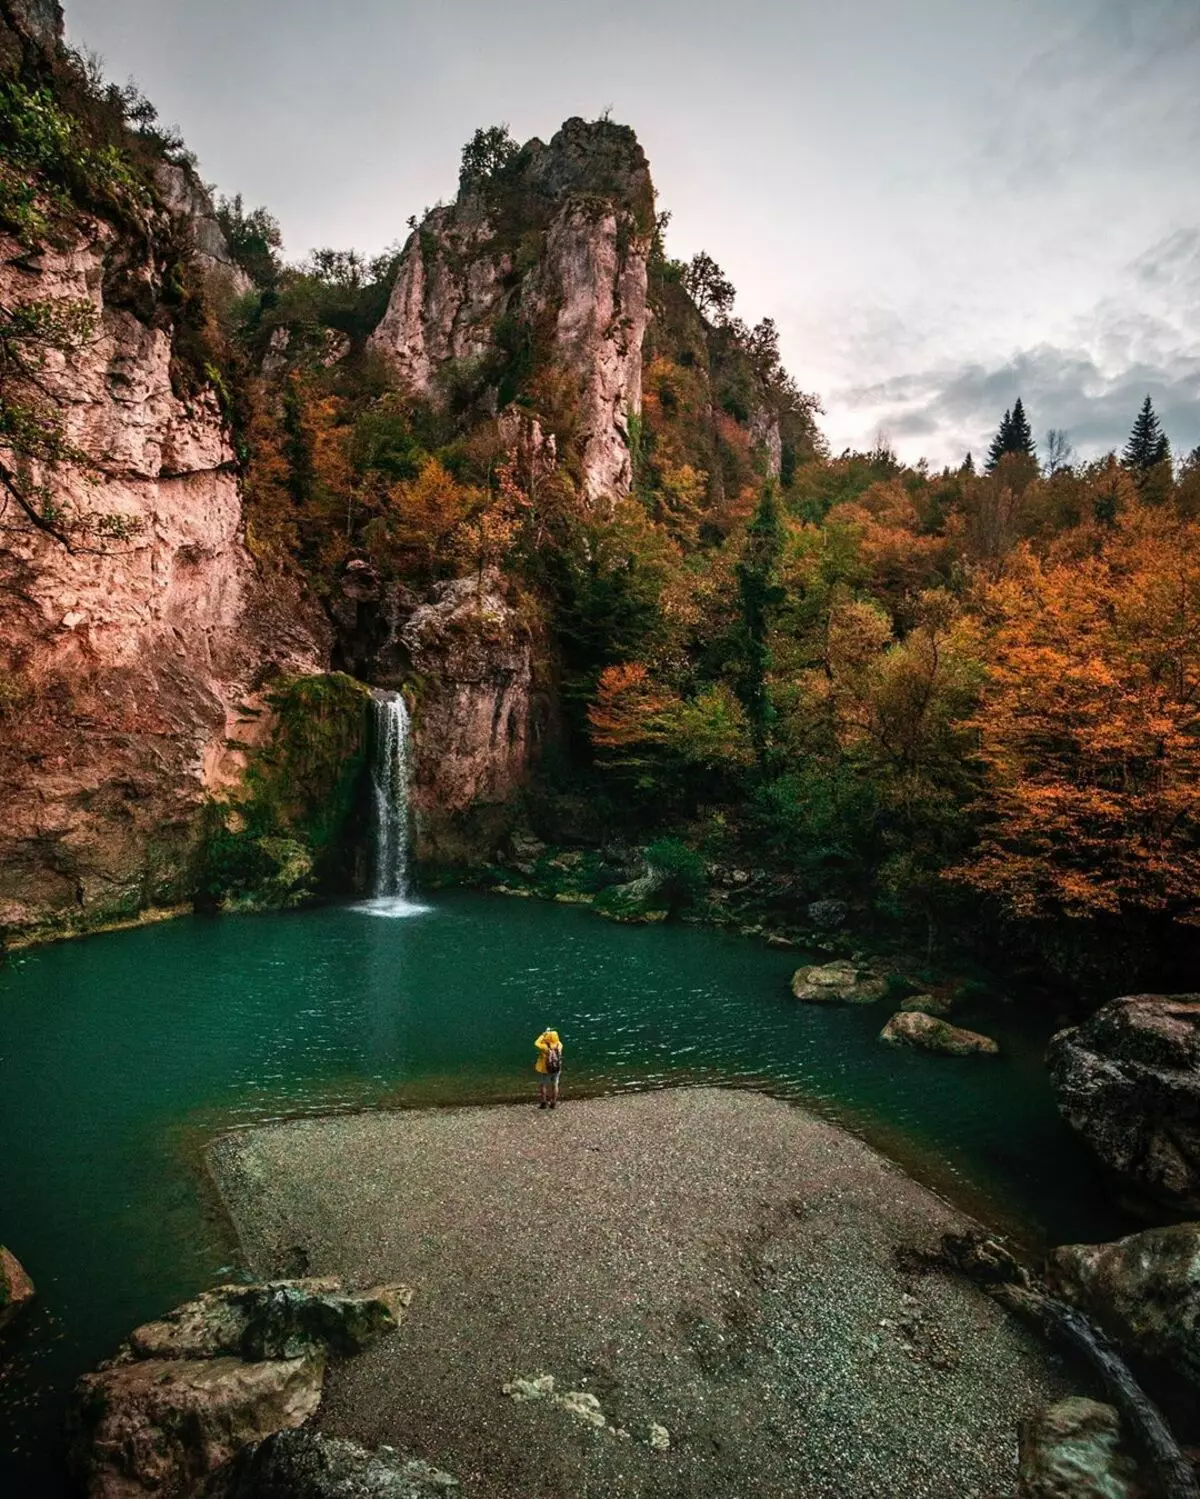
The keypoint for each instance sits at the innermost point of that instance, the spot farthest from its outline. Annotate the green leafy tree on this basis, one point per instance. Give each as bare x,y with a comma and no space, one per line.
253,238
486,155
759,596
708,286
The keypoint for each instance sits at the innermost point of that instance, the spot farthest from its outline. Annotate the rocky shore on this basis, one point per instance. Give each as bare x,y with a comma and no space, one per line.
685,1292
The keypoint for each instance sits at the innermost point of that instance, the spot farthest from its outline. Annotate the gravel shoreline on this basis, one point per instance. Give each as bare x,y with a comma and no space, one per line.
716,1263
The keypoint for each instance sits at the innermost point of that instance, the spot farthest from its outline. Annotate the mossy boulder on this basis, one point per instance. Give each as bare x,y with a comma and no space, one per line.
307,1464
1144,1290
841,982
915,1028
1075,1450
287,832
278,1319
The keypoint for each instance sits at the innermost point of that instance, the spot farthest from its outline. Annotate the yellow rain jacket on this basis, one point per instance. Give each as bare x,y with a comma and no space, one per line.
543,1043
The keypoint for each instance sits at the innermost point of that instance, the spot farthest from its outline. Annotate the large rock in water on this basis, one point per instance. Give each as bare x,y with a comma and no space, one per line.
310,1465
1073,1450
1128,1080
836,983
161,1426
1144,1291
231,1367
916,1028
16,1288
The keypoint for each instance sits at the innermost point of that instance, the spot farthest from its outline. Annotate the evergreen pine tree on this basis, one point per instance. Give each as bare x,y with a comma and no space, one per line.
1147,443
1020,438
1013,436
999,443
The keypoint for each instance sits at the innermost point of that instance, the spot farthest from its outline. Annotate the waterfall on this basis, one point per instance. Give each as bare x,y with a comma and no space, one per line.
391,773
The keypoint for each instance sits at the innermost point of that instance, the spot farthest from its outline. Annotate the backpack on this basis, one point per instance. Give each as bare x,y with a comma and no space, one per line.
553,1059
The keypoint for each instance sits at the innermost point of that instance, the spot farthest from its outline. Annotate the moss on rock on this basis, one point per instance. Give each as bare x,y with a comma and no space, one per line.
286,834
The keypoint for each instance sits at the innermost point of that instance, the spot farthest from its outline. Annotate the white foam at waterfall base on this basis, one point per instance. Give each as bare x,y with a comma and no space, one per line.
391,775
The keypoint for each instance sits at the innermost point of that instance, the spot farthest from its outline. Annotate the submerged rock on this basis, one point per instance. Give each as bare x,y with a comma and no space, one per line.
16,1288
916,1028
1074,1450
310,1465
836,983
160,1426
1144,1291
1128,1080
927,1004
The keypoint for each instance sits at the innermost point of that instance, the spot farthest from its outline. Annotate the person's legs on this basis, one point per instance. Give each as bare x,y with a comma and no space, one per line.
542,1093
554,1090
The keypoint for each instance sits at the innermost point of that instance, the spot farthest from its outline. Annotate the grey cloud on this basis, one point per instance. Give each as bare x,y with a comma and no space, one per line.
1059,388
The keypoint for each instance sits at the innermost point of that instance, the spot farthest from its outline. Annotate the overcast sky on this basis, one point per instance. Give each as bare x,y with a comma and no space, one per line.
943,203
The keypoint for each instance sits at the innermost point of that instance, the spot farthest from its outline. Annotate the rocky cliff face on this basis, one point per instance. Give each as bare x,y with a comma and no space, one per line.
132,651
126,662
545,269
470,655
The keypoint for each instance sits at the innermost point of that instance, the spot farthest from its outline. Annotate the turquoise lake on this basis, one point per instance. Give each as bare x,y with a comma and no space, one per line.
121,1056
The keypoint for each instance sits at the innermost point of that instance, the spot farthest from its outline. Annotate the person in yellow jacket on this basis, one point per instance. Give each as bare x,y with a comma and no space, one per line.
549,1065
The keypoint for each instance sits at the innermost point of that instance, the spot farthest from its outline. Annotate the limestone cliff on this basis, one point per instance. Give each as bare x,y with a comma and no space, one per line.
536,278
130,644
125,663
472,655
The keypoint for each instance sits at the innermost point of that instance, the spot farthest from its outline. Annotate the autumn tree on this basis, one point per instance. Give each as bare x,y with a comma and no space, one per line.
760,595
1089,727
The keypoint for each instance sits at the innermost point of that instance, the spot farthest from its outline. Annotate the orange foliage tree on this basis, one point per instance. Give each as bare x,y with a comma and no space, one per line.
1089,729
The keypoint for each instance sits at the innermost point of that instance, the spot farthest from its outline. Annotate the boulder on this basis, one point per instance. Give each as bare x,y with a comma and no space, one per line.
230,1367
827,915
16,1288
836,983
928,1004
1143,1290
280,1319
309,1465
161,1426
915,1028
1074,1450
1128,1080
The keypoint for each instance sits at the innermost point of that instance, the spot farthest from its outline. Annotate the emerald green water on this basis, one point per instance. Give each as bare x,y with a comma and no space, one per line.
120,1056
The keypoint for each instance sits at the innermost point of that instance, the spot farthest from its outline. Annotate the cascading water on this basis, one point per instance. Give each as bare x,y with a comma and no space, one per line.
391,774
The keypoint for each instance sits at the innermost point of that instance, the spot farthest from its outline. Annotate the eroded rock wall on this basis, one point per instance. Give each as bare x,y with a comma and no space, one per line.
480,714
559,248
124,659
